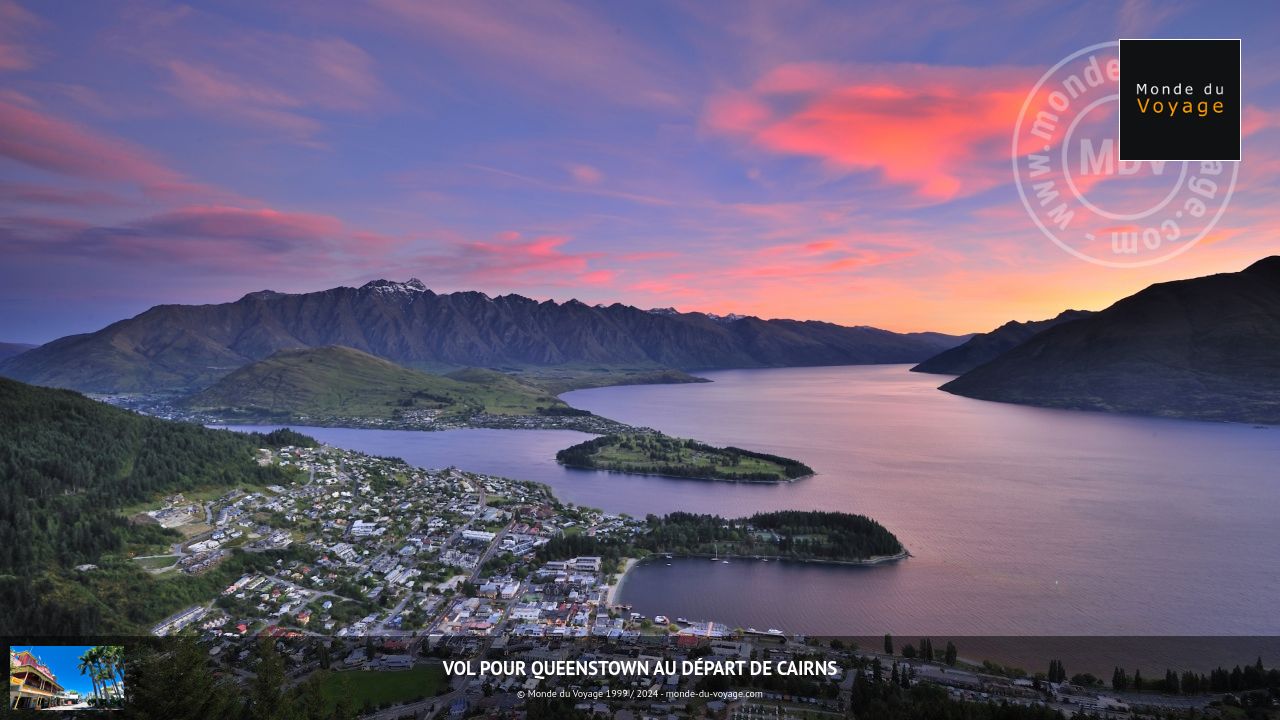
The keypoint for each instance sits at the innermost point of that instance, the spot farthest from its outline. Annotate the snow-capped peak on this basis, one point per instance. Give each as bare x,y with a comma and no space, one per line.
412,285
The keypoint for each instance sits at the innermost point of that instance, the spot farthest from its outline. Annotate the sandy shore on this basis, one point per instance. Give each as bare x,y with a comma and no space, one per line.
611,593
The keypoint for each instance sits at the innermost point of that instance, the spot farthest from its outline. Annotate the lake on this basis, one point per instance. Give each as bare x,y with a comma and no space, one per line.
1021,521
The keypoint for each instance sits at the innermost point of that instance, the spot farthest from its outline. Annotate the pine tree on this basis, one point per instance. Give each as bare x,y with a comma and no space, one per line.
888,644
266,701
1119,679
951,653
172,681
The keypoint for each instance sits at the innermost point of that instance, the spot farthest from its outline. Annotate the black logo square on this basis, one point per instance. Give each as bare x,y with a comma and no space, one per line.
1180,100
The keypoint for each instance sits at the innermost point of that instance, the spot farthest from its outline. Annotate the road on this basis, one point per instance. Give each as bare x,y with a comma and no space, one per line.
488,552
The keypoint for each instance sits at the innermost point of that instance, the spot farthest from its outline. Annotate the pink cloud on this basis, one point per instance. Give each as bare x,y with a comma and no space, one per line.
585,174
16,25
230,239
512,261
275,81
233,222
33,194
44,142
598,277
822,257
941,131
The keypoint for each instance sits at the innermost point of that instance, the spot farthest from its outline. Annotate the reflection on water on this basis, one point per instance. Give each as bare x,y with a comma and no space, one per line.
1021,520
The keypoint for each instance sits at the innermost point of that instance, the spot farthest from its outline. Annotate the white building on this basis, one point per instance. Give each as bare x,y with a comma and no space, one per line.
478,536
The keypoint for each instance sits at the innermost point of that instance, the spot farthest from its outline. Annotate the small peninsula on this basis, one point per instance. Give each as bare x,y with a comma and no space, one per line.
649,453
797,535
337,386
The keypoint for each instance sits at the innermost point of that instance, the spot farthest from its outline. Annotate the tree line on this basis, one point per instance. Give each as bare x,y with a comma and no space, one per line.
802,535
1219,680
68,465
799,534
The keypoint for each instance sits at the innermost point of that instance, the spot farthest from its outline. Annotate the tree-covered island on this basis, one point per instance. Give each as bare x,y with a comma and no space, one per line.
657,454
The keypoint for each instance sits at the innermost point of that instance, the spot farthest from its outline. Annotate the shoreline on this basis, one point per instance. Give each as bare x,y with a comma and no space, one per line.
612,591
862,562
631,563
582,424
780,481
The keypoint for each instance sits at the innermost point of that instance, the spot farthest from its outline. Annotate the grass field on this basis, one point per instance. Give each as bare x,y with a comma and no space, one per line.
157,562
342,382
387,686
712,463
563,378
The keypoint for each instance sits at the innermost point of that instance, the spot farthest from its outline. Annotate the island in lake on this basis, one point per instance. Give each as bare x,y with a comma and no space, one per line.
651,453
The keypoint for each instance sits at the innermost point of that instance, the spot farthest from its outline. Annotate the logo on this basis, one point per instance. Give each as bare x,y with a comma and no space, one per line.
1180,100
1089,202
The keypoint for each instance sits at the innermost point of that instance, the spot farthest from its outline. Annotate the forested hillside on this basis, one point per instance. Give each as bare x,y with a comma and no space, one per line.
67,466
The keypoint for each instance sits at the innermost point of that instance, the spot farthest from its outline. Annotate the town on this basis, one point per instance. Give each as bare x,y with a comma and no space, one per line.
372,565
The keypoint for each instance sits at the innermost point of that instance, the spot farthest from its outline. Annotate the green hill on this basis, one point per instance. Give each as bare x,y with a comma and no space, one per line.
657,454
68,465
340,382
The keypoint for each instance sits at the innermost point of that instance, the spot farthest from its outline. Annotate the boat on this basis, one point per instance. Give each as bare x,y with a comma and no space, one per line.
774,631
726,562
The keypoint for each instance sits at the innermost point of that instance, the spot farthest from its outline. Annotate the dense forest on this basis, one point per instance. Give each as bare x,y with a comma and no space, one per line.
802,535
657,454
793,534
68,465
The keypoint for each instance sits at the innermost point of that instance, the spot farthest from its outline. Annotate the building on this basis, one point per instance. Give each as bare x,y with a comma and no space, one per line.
175,623
31,685
588,564
478,536
362,529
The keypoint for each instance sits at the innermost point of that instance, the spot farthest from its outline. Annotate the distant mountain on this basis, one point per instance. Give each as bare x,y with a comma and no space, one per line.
336,381
8,350
172,347
986,347
1205,348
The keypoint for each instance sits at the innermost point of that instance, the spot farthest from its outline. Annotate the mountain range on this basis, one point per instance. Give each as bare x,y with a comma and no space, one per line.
985,347
8,350
1206,348
188,347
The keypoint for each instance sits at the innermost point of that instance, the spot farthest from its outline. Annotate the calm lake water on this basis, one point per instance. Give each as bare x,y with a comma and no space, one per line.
1021,521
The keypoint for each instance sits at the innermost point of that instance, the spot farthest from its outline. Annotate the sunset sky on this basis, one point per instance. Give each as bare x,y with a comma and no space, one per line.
783,159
